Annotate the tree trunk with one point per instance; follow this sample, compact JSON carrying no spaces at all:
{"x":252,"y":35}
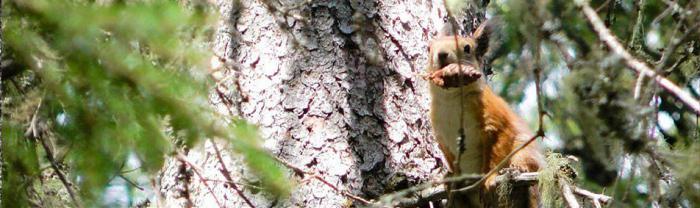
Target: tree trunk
{"x":333,"y":87}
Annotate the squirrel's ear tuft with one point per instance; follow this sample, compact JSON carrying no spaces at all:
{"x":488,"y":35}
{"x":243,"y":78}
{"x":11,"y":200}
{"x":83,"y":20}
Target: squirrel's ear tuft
{"x":446,"y":30}
{"x":485,"y":36}
{"x":450,"y":27}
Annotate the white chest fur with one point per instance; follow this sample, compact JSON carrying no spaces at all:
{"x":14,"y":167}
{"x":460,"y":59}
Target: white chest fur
{"x":449,"y":106}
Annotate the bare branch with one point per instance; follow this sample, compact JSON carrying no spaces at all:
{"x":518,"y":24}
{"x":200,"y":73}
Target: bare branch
{"x":460,"y":141}
{"x":33,"y":132}
{"x":678,"y":8}
{"x":522,"y":178}
{"x":568,"y":195}
{"x":134,"y":184}
{"x":426,"y":193}
{"x":310,"y":174}
{"x":197,"y":170}
{"x":237,"y":183}
{"x":224,"y":171}
{"x":160,"y":202}
{"x":559,"y":43}
{"x":638,"y":66}
{"x":597,"y":199}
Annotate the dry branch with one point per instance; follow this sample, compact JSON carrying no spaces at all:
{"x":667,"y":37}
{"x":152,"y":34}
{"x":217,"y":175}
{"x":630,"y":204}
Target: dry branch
{"x":597,"y":199}
{"x":198,"y":171}
{"x":309,"y":175}
{"x":568,"y":194}
{"x":227,"y":174}
{"x":638,"y":66}
{"x":426,"y":193}
{"x":33,"y":132}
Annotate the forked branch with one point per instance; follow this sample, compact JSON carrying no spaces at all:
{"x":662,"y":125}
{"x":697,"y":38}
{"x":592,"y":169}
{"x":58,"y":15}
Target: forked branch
{"x":638,"y":66}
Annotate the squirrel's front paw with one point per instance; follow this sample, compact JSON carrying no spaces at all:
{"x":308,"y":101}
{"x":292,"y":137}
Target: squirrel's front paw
{"x":455,"y":75}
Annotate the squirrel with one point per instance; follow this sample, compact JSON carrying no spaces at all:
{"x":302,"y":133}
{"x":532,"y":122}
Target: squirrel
{"x":491,"y":129}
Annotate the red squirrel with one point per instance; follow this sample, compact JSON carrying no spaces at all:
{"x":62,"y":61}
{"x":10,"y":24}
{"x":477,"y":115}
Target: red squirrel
{"x":491,"y":129}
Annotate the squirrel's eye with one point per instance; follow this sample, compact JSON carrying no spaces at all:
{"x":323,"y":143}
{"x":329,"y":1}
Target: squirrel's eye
{"x":467,"y":49}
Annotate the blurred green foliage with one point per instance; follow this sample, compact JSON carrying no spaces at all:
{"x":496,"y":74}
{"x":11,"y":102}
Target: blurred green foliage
{"x":106,"y":81}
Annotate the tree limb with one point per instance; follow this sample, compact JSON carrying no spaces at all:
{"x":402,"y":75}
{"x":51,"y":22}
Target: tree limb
{"x":568,"y":194}
{"x":427,"y":193}
{"x":597,"y":199}
{"x":638,"y":66}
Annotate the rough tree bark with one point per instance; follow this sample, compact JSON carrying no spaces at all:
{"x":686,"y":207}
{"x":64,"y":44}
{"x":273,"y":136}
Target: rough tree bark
{"x":333,"y":87}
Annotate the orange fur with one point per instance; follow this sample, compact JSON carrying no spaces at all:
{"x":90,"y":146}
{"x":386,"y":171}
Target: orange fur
{"x":491,"y":129}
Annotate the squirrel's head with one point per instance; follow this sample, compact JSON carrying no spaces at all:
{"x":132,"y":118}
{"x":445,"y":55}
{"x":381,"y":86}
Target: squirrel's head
{"x":447,"y":48}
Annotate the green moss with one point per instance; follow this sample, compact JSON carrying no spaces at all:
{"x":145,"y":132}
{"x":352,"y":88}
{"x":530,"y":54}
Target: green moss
{"x":503,"y":191}
{"x":550,"y":193}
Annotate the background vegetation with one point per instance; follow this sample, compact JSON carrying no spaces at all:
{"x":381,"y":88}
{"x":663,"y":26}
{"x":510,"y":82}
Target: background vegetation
{"x":634,"y":139}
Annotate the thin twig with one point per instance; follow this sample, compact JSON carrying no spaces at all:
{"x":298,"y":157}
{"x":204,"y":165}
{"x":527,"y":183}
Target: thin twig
{"x":661,"y":16}
{"x":602,"y":6}
{"x":134,"y":184}
{"x":309,"y":174}
{"x":197,"y":170}
{"x":237,"y":183}
{"x":637,"y":29}
{"x":638,"y":66}
{"x":61,"y":176}
{"x":674,"y":43}
{"x":559,"y":43}
{"x":129,"y":171}
{"x":678,"y":8}
{"x":460,"y":139}
{"x":156,"y":191}
{"x":34,"y":132}
{"x":216,"y":64}
{"x":224,"y":171}
{"x":355,"y":197}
